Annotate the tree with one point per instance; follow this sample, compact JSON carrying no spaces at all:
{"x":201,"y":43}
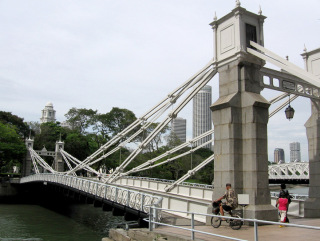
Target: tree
{"x":158,"y":140}
{"x":118,"y":119}
{"x":21,"y":127}
{"x":81,"y":119}
{"x":102,"y":125}
{"x":34,"y":127}
{"x":50,"y":133}
{"x":78,"y":145}
{"x":12,"y":147}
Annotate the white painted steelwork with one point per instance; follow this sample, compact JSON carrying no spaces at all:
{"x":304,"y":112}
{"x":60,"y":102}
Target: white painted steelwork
{"x":289,"y":171}
{"x":124,"y":196}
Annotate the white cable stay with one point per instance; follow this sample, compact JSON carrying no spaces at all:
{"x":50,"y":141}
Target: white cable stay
{"x":35,"y":166}
{"x":278,"y":98}
{"x":173,"y":150}
{"x":166,"y":161}
{"x":275,"y":59}
{"x":76,"y":162}
{"x":65,"y":158}
{"x":37,"y":159}
{"x":283,"y":105}
{"x":201,"y":83}
{"x":190,"y":173}
{"x":143,"y":167}
{"x":171,"y":98}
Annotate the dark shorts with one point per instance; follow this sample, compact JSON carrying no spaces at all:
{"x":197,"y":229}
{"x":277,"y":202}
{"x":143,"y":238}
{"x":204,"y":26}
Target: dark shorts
{"x":226,"y":207}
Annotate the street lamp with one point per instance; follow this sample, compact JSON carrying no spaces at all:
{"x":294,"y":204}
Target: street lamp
{"x":289,"y":111}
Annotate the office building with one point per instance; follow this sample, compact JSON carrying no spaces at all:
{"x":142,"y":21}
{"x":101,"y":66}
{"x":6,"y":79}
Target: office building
{"x":295,"y":154}
{"x":279,"y":155}
{"x":202,"y":116}
{"x":179,"y":128}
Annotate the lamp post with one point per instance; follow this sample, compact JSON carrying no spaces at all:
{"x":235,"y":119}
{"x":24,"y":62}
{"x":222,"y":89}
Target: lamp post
{"x":289,"y":111}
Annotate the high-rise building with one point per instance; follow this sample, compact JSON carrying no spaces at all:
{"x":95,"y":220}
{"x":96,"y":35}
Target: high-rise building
{"x":179,"y":128}
{"x":279,"y":155}
{"x":295,"y":154}
{"x":48,"y":114}
{"x":202,"y":117}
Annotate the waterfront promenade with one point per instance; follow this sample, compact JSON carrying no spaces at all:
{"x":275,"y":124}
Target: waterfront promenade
{"x":265,"y":232}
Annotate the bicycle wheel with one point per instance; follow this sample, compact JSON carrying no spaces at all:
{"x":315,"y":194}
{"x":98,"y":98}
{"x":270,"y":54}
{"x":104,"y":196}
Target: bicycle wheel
{"x":235,"y":224}
{"x":215,"y":222}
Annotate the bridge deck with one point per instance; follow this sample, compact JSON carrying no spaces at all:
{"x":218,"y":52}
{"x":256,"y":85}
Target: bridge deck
{"x":267,"y":232}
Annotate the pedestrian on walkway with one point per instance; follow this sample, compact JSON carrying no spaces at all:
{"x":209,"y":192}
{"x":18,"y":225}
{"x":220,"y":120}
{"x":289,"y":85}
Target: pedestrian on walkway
{"x":285,"y":192}
{"x":282,"y":202}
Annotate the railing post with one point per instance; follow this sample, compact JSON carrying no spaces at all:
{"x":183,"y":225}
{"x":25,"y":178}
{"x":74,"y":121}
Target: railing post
{"x":255,"y":230}
{"x":105,"y":192}
{"x":97,"y":187}
{"x":192,"y":226}
{"x":128,"y":198}
{"x":142,"y":202}
{"x":116,"y":195}
{"x":150,"y":219}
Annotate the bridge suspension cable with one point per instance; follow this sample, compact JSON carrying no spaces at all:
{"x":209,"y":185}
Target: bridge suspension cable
{"x":75,"y":161}
{"x":153,"y":113}
{"x":144,"y":166}
{"x":37,"y":159}
{"x":200,"y":84}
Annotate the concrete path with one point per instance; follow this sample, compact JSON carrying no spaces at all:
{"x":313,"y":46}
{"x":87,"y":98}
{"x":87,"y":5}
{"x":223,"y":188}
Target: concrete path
{"x":266,"y":232}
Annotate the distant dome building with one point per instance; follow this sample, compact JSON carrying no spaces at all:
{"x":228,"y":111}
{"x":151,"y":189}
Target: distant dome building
{"x":48,"y":114}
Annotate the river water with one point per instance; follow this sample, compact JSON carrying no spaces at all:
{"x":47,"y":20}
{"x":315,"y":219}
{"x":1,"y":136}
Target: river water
{"x":78,"y":222}
{"x":68,"y":222}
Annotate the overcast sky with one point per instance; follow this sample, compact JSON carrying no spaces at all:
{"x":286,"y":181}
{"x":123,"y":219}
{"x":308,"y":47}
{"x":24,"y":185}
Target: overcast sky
{"x":101,"y":54}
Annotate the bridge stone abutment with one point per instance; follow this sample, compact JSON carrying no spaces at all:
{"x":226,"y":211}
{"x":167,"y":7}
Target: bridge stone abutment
{"x":240,"y":115}
{"x":311,"y":205}
{"x":240,"y":118}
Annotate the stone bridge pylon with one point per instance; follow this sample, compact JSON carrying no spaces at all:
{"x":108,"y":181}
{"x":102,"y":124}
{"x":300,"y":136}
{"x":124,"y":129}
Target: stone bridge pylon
{"x":58,"y":163}
{"x":240,"y":115}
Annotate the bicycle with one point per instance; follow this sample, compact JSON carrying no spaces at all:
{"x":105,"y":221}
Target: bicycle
{"x":235,"y":224}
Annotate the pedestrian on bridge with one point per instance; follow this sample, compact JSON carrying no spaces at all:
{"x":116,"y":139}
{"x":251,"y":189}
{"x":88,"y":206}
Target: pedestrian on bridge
{"x":283,"y":207}
{"x":284,"y":192}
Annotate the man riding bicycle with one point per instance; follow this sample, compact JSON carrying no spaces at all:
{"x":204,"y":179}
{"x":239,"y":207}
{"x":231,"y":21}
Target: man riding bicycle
{"x":231,"y":200}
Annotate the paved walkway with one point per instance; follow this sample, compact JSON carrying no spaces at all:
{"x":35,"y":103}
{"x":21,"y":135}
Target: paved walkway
{"x":266,"y":232}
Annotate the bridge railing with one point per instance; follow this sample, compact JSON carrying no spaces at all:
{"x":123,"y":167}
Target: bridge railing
{"x":299,"y":197}
{"x":189,"y":184}
{"x":124,"y":196}
{"x":153,"y":223}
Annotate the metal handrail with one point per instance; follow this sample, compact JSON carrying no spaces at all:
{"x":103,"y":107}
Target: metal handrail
{"x":153,"y":212}
{"x":298,"y":197}
{"x":206,"y":186}
{"x":133,"y":199}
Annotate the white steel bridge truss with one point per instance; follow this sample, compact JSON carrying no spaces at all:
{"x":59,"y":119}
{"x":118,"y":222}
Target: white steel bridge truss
{"x":289,"y":171}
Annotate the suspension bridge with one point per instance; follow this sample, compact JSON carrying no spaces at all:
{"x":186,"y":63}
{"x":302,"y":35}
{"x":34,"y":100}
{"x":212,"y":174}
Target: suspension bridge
{"x":240,"y":117}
